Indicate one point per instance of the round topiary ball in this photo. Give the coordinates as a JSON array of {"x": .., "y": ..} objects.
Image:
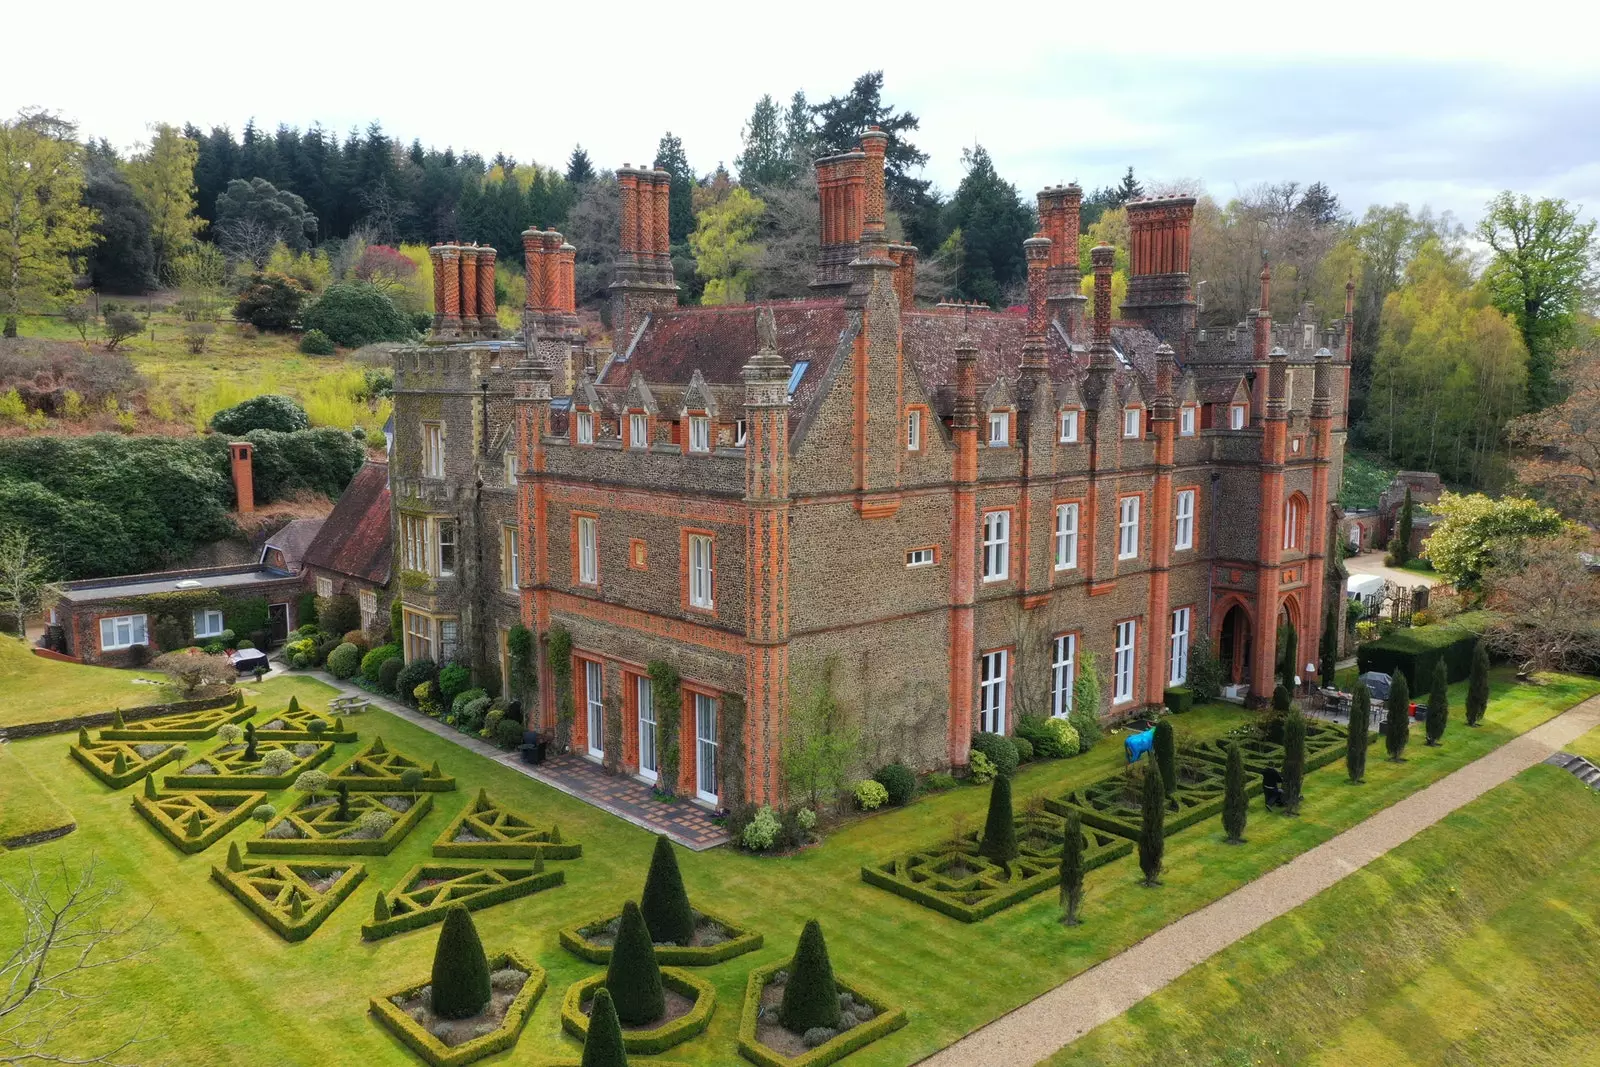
[{"x": 897, "y": 779}]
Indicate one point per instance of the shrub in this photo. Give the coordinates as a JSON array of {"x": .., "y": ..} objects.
[
  {"x": 762, "y": 830},
  {"x": 634, "y": 977},
  {"x": 810, "y": 996},
  {"x": 415, "y": 673},
  {"x": 665, "y": 903},
  {"x": 338, "y": 614},
  {"x": 460, "y": 968},
  {"x": 1024, "y": 749},
  {"x": 197, "y": 335},
  {"x": 1235, "y": 803},
  {"x": 1478, "y": 684},
  {"x": 454, "y": 679},
  {"x": 264, "y": 813},
  {"x": 1001, "y": 752},
  {"x": 121, "y": 325},
  {"x": 939, "y": 781},
  {"x": 359, "y": 639},
  {"x": 898, "y": 781},
  {"x": 269, "y": 411},
  {"x": 1281, "y": 700},
  {"x": 507, "y": 733},
  {"x": 1072, "y": 868},
  {"x": 374, "y": 824},
  {"x": 871, "y": 795},
  {"x": 316, "y": 343},
  {"x": 1438, "y": 703},
  {"x": 979, "y": 767},
  {"x": 1413, "y": 652},
  {"x": 1065, "y": 735},
  {"x": 276, "y": 763},
  {"x": 1399, "y": 712},
  {"x": 806, "y": 819},
  {"x": 459, "y": 703},
  {"x": 602, "y": 1045},
  {"x": 229, "y": 733},
  {"x": 1164, "y": 749},
  {"x": 374, "y": 660},
  {"x": 999, "y": 842},
  {"x": 389, "y": 674},
  {"x": 1356, "y": 740},
  {"x": 269, "y": 301},
  {"x": 1087, "y": 726},
  {"x": 1294, "y": 762},
  {"x": 311, "y": 782},
  {"x": 344, "y": 661},
  {"x": 471, "y": 717},
  {"x": 1178, "y": 699},
  {"x": 1152, "y": 829},
  {"x": 356, "y": 315}
]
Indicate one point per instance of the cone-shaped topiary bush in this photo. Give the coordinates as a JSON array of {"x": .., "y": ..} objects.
[
  {"x": 1072, "y": 869},
  {"x": 665, "y": 904},
  {"x": 193, "y": 827},
  {"x": 297, "y": 908},
  {"x": 238, "y": 701},
  {"x": 460, "y": 968},
  {"x": 999, "y": 842},
  {"x": 83, "y": 738},
  {"x": 1165, "y": 746},
  {"x": 294, "y": 704},
  {"x": 1153, "y": 829},
  {"x": 1235, "y": 804},
  {"x": 235, "y": 861},
  {"x": 1355, "y": 742},
  {"x": 116, "y": 719},
  {"x": 119, "y": 763},
  {"x": 1294, "y": 762},
  {"x": 634, "y": 977},
  {"x": 1478, "y": 684},
  {"x": 380, "y": 909},
  {"x": 602, "y": 1046},
  {"x": 1399, "y": 708},
  {"x": 1281, "y": 700},
  {"x": 150, "y": 786},
  {"x": 811, "y": 999},
  {"x": 1438, "y": 702}
]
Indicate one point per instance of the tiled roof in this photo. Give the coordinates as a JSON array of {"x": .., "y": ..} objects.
[
  {"x": 294, "y": 539},
  {"x": 355, "y": 539}
]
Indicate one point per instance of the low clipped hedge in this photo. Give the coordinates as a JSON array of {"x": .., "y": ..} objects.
[
  {"x": 187, "y": 726},
  {"x": 534, "y": 882},
  {"x": 137, "y": 766},
  {"x": 221, "y": 821},
  {"x": 661, "y": 1038},
  {"x": 886, "y": 1021},
  {"x": 521, "y": 843},
  {"x": 357, "y": 772},
  {"x": 435, "y": 1052},
  {"x": 741, "y": 941},
  {"x": 334, "y": 846},
  {"x": 1178, "y": 699},
  {"x": 1196, "y": 804},
  {"x": 242, "y": 885},
  {"x": 1414, "y": 650},
  {"x": 270, "y": 782}
]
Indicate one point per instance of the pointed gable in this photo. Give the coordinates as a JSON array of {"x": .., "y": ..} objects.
[{"x": 698, "y": 396}]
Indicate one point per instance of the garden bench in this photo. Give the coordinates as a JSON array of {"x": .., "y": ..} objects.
[{"x": 349, "y": 705}]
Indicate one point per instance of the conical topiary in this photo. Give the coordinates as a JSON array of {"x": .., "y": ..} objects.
[
  {"x": 483, "y": 801},
  {"x": 999, "y": 844},
  {"x": 538, "y": 862},
  {"x": 1281, "y": 700},
  {"x": 602, "y": 1045},
  {"x": 238, "y": 701},
  {"x": 1438, "y": 702},
  {"x": 380, "y": 909},
  {"x": 555, "y": 834},
  {"x": 665, "y": 903},
  {"x": 150, "y": 786},
  {"x": 338, "y": 724},
  {"x": 1165, "y": 748},
  {"x": 294, "y": 704},
  {"x": 1356, "y": 739},
  {"x": 810, "y": 998},
  {"x": 460, "y": 968},
  {"x": 1235, "y": 802},
  {"x": 434, "y": 771},
  {"x": 235, "y": 861},
  {"x": 377, "y": 748},
  {"x": 194, "y": 826},
  {"x": 83, "y": 738},
  {"x": 1294, "y": 762},
  {"x": 119, "y": 763},
  {"x": 1399, "y": 709},
  {"x": 297, "y": 909},
  {"x": 1478, "y": 684},
  {"x": 634, "y": 977},
  {"x": 1152, "y": 829},
  {"x": 116, "y": 718}
]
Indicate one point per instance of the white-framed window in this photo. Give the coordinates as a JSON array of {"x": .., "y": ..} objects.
[
  {"x": 1066, "y": 536},
  {"x": 645, "y": 698},
  {"x": 741, "y": 433},
  {"x": 509, "y": 563},
  {"x": 413, "y": 545},
  {"x": 324, "y": 587},
  {"x": 1236, "y": 417},
  {"x": 1132, "y": 420},
  {"x": 913, "y": 430},
  {"x": 433, "y": 450},
  {"x": 207, "y": 622},
  {"x": 588, "y": 551},
  {"x": 1183, "y": 520},
  {"x": 368, "y": 602},
  {"x": 700, "y": 571},
  {"x": 992, "y": 691},
  {"x": 446, "y": 533},
  {"x": 1122, "y": 662},
  {"x": 1128, "y": 527},
  {"x": 638, "y": 431},
  {"x": 449, "y": 639},
  {"x": 1178, "y": 648},
  {"x": 1069, "y": 426},
  {"x": 1063, "y": 672},
  {"x": 594, "y": 700},
  {"x": 705, "y": 738},
  {"x": 996, "y": 545},
  {"x": 999, "y": 429},
  {"x": 1186, "y": 421},
  {"x": 920, "y": 557},
  {"x": 1291, "y": 523},
  {"x": 586, "y": 427},
  {"x": 419, "y": 637},
  {"x": 511, "y": 466},
  {"x": 124, "y": 631},
  {"x": 699, "y": 433},
  {"x": 1294, "y": 446}
]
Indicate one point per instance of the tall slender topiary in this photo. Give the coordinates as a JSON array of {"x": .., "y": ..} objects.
[
  {"x": 1400, "y": 543},
  {"x": 235, "y": 861},
  {"x": 810, "y": 998},
  {"x": 1356, "y": 740},
  {"x": 343, "y": 814},
  {"x": 1294, "y": 762},
  {"x": 1328, "y": 653},
  {"x": 1235, "y": 804},
  {"x": 1152, "y": 829},
  {"x": 460, "y": 968},
  {"x": 1399, "y": 709},
  {"x": 294, "y": 704},
  {"x": 1166, "y": 753},
  {"x": 249, "y": 741},
  {"x": 380, "y": 909},
  {"x": 116, "y": 719},
  {"x": 634, "y": 977},
  {"x": 602, "y": 1045},
  {"x": 1478, "y": 684},
  {"x": 665, "y": 903},
  {"x": 999, "y": 844},
  {"x": 1072, "y": 869},
  {"x": 1438, "y": 703},
  {"x": 1291, "y": 653},
  {"x": 83, "y": 738}
]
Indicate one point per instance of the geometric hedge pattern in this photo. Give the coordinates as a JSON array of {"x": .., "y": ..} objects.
[
  {"x": 318, "y": 829},
  {"x": 486, "y": 1042},
  {"x": 1325, "y": 743},
  {"x": 292, "y": 897},
  {"x": 379, "y": 769},
  {"x": 294, "y": 724},
  {"x": 100, "y": 759},
  {"x": 195, "y": 821},
  {"x": 487, "y": 830},
  {"x": 232, "y": 770},
  {"x": 186, "y": 726},
  {"x": 1114, "y": 803},
  {"x": 886, "y": 1020},
  {"x": 428, "y": 890}
]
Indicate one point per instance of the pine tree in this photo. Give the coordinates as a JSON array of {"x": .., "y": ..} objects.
[
  {"x": 1356, "y": 739},
  {"x": 460, "y": 968},
  {"x": 579, "y": 169},
  {"x": 810, "y": 998},
  {"x": 1328, "y": 658},
  {"x": 1438, "y": 703},
  {"x": 1294, "y": 762},
  {"x": 1152, "y": 830},
  {"x": 1235, "y": 802},
  {"x": 999, "y": 844},
  {"x": 1400, "y": 543},
  {"x": 634, "y": 977},
  {"x": 1399, "y": 711},
  {"x": 235, "y": 861},
  {"x": 1166, "y": 759},
  {"x": 665, "y": 903},
  {"x": 343, "y": 814},
  {"x": 602, "y": 1045},
  {"x": 1072, "y": 869},
  {"x": 1478, "y": 684}
]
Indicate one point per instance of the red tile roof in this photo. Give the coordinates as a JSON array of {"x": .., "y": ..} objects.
[{"x": 355, "y": 537}]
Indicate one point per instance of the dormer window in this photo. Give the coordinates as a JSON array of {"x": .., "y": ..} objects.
[
  {"x": 1186, "y": 421},
  {"x": 638, "y": 431},
  {"x": 797, "y": 373},
  {"x": 699, "y": 433},
  {"x": 999, "y": 429},
  {"x": 1069, "y": 426},
  {"x": 586, "y": 427},
  {"x": 1132, "y": 421},
  {"x": 741, "y": 433},
  {"x": 1236, "y": 417}
]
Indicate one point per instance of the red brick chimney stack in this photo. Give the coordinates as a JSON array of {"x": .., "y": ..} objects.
[
  {"x": 842, "y": 182},
  {"x": 1059, "y": 210},
  {"x": 1263, "y": 323},
  {"x": 488, "y": 317},
  {"x": 905, "y": 274},
  {"x": 244, "y": 486},
  {"x": 1037, "y": 250},
  {"x": 1101, "y": 257},
  {"x": 469, "y": 284}
]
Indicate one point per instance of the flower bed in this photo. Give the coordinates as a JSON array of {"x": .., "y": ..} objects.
[
  {"x": 1113, "y": 802},
  {"x": 229, "y": 769},
  {"x": 270, "y": 890},
  {"x": 378, "y": 770},
  {"x": 139, "y": 759},
  {"x": 313, "y": 826},
  {"x": 426, "y": 892},
  {"x": 485, "y": 830},
  {"x": 716, "y": 939},
  {"x": 196, "y": 725},
  {"x": 174, "y": 814},
  {"x": 645, "y": 1040},
  {"x": 953, "y": 879},
  {"x": 391, "y": 1011},
  {"x": 294, "y": 725},
  {"x": 757, "y": 1019}
]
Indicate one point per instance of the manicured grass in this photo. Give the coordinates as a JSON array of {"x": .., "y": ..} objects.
[
  {"x": 224, "y": 982},
  {"x": 26, "y": 806},
  {"x": 1588, "y": 746},
  {"x": 1420, "y": 566},
  {"x": 35, "y": 689},
  {"x": 1471, "y": 943}
]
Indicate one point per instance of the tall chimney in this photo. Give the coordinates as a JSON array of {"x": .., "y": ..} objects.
[
  {"x": 841, "y": 190},
  {"x": 487, "y": 306},
  {"x": 905, "y": 274},
  {"x": 469, "y": 288},
  {"x": 644, "y": 280},
  {"x": 436, "y": 261},
  {"x": 244, "y": 487},
  {"x": 1037, "y": 251},
  {"x": 1158, "y": 252},
  {"x": 1059, "y": 210}
]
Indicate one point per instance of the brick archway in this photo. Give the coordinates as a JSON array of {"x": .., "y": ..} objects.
[{"x": 1233, "y": 637}]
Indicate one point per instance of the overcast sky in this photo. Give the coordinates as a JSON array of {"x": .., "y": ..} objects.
[{"x": 1384, "y": 101}]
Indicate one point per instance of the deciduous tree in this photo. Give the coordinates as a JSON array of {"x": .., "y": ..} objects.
[
  {"x": 726, "y": 254},
  {"x": 162, "y": 174},
  {"x": 1474, "y": 531},
  {"x": 43, "y": 221},
  {"x": 1548, "y": 601},
  {"x": 26, "y": 588},
  {"x": 1560, "y": 457}
]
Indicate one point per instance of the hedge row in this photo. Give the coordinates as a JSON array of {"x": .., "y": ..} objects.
[
  {"x": 661, "y": 1038},
  {"x": 1415, "y": 649},
  {"x": 251, "y": 781},
  {"x": 221, "y": 822},
  {"x": 279, "y": 921},
  {"x": 375, "y": 929},
  {"x": 886, "y": 1021},
  {"x": 527, "y": 844},
  {"x": 198, "y": 725},
  {"x": 1174, "y": 822},
  {"x": 433, "y": 1051},
  {"x": 333, "y": 846},
  {"x": 380, "y": 769},
  {"x": 740, "y": 942},
  {"x": 105, "y": 718},
  {"x": 137, "y": 767}
]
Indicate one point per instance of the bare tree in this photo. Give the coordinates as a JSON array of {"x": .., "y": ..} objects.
[
  {"x": 66, "y": 936},
  {"x": 25, "y": 585},
  {"x": 246, "y": 240},
  {"x": 1548, "y": 600},
  {"x": 195, "y": 672}
]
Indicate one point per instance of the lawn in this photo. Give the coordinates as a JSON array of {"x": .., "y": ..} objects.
[
  {"x": 26, "y": 806},
  {"x": 1471, "y": 943},
  {"x": 35, "y": 689},
  {"x": 1588, "y": 746},
  {"x": 223, "y": 989}
]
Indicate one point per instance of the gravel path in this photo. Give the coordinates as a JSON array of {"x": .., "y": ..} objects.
[{"x": 1057, "y": 1018}]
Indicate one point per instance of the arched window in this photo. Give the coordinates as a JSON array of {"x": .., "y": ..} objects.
[{"x": 1294, "y": 517}]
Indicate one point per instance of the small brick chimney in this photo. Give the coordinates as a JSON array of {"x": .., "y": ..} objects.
[
  {"x": 1060, "y": 207},
  {"x": 905, "y": 274},
  {"x": 549, "y": 261},
  {"x": 244, "y": 486},
  {"x": 463, "y": 292}
]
